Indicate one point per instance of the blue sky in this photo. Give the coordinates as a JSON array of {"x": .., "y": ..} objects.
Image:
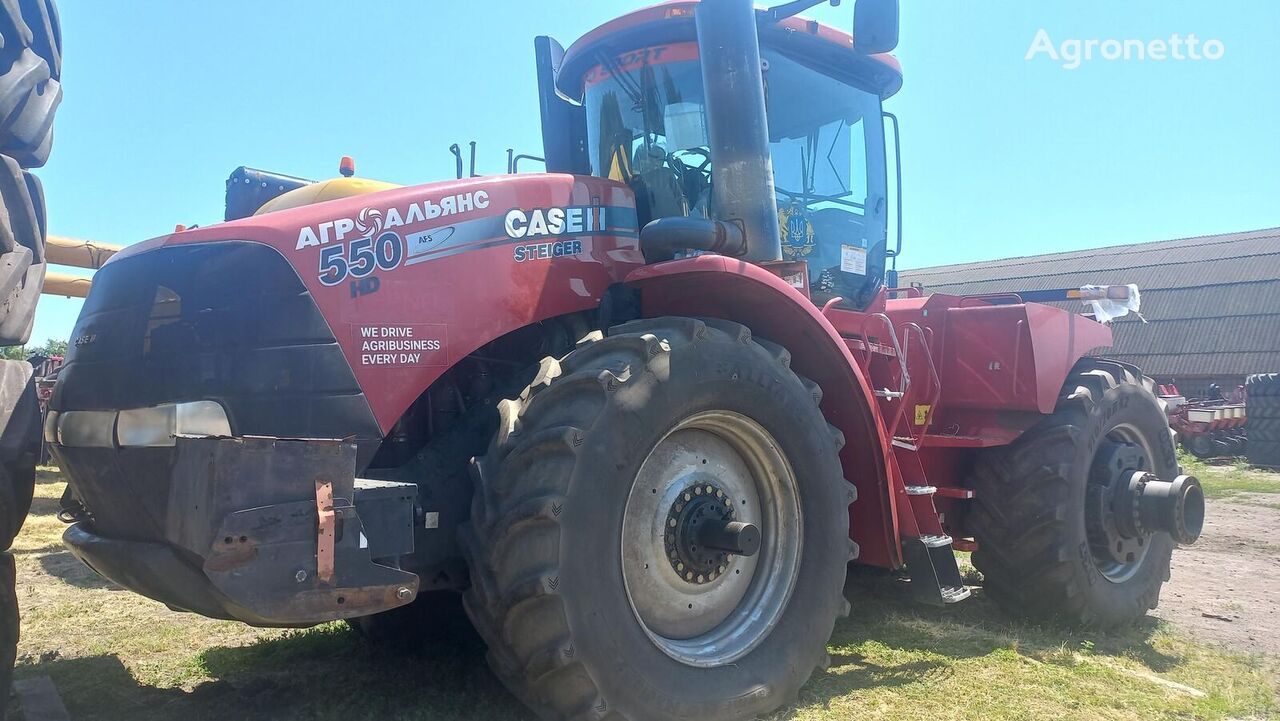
[{"x": 1001, "y": 156}]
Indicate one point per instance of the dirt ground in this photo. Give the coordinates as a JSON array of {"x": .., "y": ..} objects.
[
  {"x": 1226, "y": 587},
  {"x": 114, "y": 656}
]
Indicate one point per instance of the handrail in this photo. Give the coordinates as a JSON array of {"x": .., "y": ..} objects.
[
  {"x": 934, "y": 379},
  {"x": 904, "y": 385}
]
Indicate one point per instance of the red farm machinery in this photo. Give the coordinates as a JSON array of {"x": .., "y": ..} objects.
[
  {"x": 636, "y": 414},
  {"x": 1213, "y": 427}
]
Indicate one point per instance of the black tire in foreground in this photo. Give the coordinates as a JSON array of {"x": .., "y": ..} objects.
[
  {"x": 22, "y": 262},
  {"x": 588, "y": 585},
  {"x": 1048, "y": 546},
  {"x": 19, "y": 447},
  {"x": 30, "y": 79}
]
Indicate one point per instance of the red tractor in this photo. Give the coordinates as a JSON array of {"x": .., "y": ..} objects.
[{"x": 639, "y": 412}]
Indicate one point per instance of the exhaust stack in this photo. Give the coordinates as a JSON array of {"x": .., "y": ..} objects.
[{"x": 742, "y": 190}]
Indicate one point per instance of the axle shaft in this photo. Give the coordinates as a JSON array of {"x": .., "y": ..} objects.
[
  {"x": 1150, "y": 505},
  {"x": 736, "y": 537}
]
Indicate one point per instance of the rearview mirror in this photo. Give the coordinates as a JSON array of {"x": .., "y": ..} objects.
[{"x": 875, "y": 26}]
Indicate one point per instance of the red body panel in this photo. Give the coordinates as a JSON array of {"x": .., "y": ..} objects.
[
  {"x": 469, "y": 292},
  {"x": 980, "y": 374}
]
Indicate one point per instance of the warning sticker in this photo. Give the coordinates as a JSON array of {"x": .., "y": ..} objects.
[
  {"x": 853, "y": 259},
  {"x": 922, "y": 414},
  {"x": 401, "y": 345}
]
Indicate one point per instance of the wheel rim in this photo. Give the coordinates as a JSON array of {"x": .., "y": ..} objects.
[
  {"x": 730, "y": 606},
  {"x": 1117, "y": 557}
]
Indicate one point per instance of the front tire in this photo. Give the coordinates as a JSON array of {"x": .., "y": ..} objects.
[
  {"x": 1048, "y": 546},
  {"x": 575, "y": 582}
]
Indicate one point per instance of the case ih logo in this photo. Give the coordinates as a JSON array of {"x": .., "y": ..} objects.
[{"x": 371, "y": 221}]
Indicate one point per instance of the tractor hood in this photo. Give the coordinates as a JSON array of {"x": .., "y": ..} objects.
[
  {"x": 307, "y": 220},
  {"x": 404, "y": 281}
]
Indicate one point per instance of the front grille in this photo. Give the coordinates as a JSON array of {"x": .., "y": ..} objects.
[
  {"x": 226, "y": 321},
  {"x": 229, "y": 322}
]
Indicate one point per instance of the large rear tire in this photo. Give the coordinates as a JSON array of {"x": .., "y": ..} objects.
[
  {"x": 1048, "y": 546},
  {"x": 22, "y": 241},
  {"x": 575, "y": 583},
  {"x": 30, "y": 73}
]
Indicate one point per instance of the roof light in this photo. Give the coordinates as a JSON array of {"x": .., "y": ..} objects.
[
  {"x": 1101, "y": 292},
  {"x": 347, "y": 166}
]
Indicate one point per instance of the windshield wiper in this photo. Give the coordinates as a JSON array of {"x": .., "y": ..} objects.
[
  {"x": 816, "y": 198},
  {"x": 628, "y": 84}
]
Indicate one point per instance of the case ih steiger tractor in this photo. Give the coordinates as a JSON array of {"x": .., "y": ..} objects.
[{"x": 640, "y": 411}]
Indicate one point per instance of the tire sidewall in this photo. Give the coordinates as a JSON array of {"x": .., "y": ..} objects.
[
  {"x": 702, "y": 376},
  {"x": 1132, "y": 405}
]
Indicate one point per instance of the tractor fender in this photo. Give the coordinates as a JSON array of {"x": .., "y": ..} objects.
[{"x": 719, "y": 287}]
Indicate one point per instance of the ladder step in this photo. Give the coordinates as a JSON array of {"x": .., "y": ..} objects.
[
  {"x": 921, "y": 490},
  {"x": 935, "y": 541},
  {"x": 935, "y": 575}
]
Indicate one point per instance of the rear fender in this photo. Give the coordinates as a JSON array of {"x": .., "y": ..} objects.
[{"x": 718, "y": 287}]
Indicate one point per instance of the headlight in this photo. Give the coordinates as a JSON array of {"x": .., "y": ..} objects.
[
  {"x": 136, "y": 428},
  {"x": 51, "y": 426},
  {"x": 147, "y": 426},
  {"x": 157, "y": 426},
  {"x": 87, "y": 429}
]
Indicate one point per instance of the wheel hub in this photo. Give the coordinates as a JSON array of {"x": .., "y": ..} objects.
[
  {"x": 711, "y": 538},
  {"x": 702, "y": 534},
  {"x": 1114, "y": 464}
]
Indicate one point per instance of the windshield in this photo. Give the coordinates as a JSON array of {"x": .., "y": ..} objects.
[{"x": 647, "y": 127}]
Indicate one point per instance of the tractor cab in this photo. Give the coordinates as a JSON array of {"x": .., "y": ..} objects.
[{"x": 640, "y": 116}]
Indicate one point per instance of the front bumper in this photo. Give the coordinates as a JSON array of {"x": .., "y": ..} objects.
[{"x": 269, "y": 531}]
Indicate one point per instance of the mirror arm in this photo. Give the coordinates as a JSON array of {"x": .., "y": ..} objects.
[{"x": 777, "y": 14}]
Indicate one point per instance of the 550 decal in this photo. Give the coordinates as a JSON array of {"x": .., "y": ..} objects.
[{"x": 360, "y": 257}]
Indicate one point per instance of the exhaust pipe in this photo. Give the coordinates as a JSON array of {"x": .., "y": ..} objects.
[{"x": 742, "y": 190}]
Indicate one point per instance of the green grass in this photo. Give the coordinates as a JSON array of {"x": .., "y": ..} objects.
[
  {"x": 1224, "y": 480},
  {"x": 114, "y": 655}
]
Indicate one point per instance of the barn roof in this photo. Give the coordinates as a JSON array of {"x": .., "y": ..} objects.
[{"x": 1212, "y": 303}]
